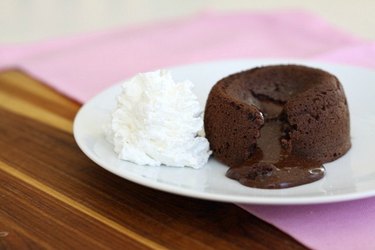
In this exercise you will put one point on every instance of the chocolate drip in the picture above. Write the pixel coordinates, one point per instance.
(272, 166)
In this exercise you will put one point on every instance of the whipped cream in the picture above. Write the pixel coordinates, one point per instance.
(158, 121)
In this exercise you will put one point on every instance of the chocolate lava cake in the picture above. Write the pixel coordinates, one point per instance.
(309, 105)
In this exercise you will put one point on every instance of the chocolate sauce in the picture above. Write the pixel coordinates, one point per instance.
(272, 166)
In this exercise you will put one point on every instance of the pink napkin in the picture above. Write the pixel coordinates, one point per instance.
(84, 65)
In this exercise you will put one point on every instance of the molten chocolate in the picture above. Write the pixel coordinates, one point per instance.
(272, 166)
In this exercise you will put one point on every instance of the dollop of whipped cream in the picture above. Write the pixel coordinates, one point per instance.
(158, 121)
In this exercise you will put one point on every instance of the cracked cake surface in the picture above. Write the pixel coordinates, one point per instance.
(309, 103)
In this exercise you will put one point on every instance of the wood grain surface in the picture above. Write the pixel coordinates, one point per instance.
(53, 197)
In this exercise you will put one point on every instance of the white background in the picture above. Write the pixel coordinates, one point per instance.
(32, 20)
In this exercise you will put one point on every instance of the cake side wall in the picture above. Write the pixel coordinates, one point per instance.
(231, 128)
(319, 122)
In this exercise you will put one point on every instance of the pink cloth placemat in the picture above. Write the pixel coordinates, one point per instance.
(84, 65)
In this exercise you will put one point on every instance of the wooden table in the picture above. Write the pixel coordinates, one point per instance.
(52, 196)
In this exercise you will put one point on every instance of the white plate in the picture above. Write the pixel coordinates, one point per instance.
(350, 177)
